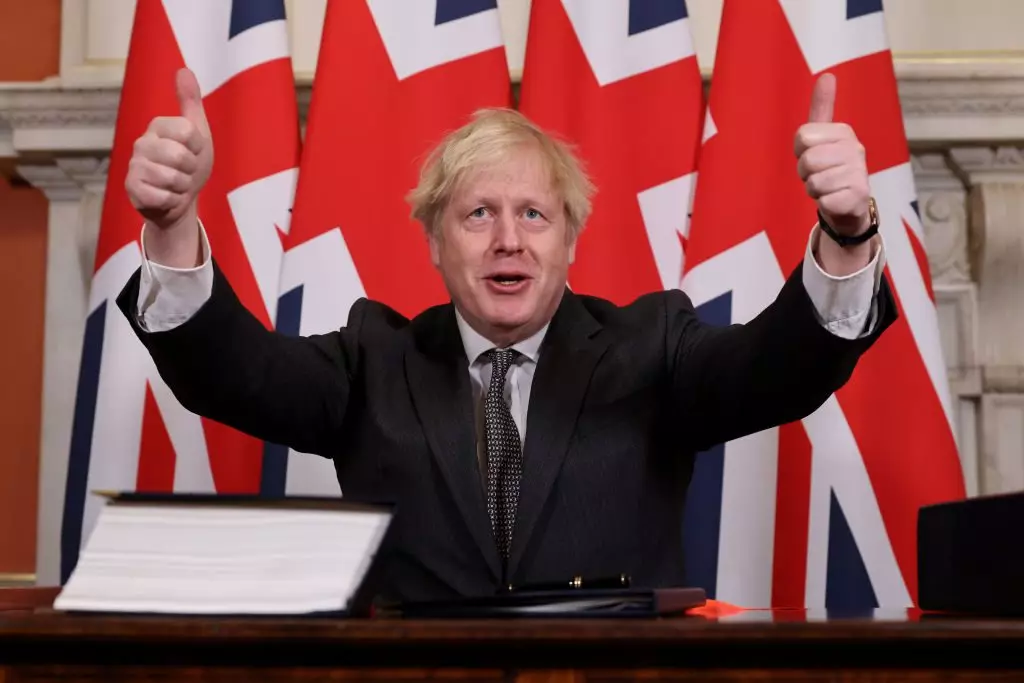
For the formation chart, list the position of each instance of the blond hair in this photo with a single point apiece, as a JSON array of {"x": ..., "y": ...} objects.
[{"x": 490, "y": 135}]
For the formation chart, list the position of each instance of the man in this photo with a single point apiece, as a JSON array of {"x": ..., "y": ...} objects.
[{"x": 527, "y": 433}]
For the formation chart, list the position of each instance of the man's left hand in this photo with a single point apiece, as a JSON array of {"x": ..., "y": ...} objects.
[{"x": 832, "y": 165}]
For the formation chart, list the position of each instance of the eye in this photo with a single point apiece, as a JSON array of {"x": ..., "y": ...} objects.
[
  {"x": 533, "y": 214},
  {"x": 479, "y": 212}
]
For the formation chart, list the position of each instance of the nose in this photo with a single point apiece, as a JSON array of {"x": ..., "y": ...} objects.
[{"x": 506, "y": 234}]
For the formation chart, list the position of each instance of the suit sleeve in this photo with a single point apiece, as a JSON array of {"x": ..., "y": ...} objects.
[
  {"x": 222, "y": 363},
  {"x": 730, "y": 381}
]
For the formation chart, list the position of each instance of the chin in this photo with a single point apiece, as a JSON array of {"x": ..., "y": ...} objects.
[{"x": 508, "y": 316}]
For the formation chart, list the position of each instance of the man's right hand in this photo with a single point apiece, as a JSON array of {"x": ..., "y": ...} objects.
[{"x": 169, "y": 166}]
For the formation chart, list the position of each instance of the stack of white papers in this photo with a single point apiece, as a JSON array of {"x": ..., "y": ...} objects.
[{"x": 211, "y": 555}]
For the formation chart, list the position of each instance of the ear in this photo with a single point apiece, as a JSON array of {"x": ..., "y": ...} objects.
[
  {"x": 572, "y": 252},
  {"x": 435, "y": 250}
]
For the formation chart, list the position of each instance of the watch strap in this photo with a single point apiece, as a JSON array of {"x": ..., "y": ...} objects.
[{"x": 851, "y": 240}]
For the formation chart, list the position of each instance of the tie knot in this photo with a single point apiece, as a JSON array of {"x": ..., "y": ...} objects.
[{"x": 501, "y": 361}]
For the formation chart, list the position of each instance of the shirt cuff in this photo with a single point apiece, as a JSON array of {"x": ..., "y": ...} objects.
[
  {"x": 846, "y": 305},
  {"x": 170, "y": 296}
]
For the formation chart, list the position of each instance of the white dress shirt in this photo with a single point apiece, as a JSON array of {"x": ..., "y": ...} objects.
[
  {"x": 517, "y": 382},
  {"x": 170, "y": 296}
]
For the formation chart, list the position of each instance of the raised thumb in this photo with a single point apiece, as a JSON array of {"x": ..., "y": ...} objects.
[
  {"x": 823, "y": 99},
  {"x": 191, "y": 100}
]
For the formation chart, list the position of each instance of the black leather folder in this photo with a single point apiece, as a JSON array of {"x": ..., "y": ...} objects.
[
  {"x": 609, "y": 603},
  {"x": 969, "y": 556}
]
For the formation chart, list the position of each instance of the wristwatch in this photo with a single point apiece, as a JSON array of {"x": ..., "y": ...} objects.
[{"x": 848, "y": 240}]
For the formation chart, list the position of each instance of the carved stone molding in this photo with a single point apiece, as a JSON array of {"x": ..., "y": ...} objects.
[
  {"x": 69, "y": 177},
  {"x": 943, "y": 201},
  {"x": 946, "y": 100},
  {"x": 996, "y": 234},
  {"x": 40, "y": 120}
]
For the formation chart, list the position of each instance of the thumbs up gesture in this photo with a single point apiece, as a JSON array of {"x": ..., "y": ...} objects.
[
  {"x": 172, "y": 161},
  {"x": 832, "y": 165}
]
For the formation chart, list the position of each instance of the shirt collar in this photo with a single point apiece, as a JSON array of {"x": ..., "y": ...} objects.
[{"x": 476, "y": 344}]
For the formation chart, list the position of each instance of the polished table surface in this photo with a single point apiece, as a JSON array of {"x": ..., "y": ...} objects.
[{"x": 42, "y": 645}]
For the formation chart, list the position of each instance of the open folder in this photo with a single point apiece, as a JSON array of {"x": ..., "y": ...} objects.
[{"x": 599, "y": 602}]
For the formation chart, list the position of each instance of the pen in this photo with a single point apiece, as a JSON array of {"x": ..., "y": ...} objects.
[{"x": 576, "y": 582}]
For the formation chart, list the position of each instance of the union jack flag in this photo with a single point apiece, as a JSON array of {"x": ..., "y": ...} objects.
[
  {"x": 620, "y": 81},
  {"x": 393, "y": 77},
  {"x": 129, "y": 432},
  {"x": 820, "y": 513}
]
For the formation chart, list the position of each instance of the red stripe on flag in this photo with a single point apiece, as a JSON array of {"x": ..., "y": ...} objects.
[
  {"x": 792, "y": 517},
  {"x": 156, "y": 453},
  {"x": 236, "y": 459},
  {"x": 632, "y": 135}
]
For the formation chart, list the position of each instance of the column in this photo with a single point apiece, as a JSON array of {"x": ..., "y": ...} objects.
[
  {"x": 943, "y": 206},
  {"x": 996, "y": 251},
  {"x": 75, "y": 187}
]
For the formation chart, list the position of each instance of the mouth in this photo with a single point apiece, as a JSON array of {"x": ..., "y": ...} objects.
[{"x": 507, "y": 282}]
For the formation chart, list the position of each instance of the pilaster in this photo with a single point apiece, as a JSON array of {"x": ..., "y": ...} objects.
[
  {"x": 75, "y": 188},
  {"x": 995, "y": 176}
]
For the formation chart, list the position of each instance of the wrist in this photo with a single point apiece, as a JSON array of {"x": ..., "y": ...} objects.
[
  {"x": 841, "y": 261},
  {"x": 175, "y": 246}
]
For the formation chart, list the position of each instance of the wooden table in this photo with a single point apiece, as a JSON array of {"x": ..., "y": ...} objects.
[{"x": 40, "y": 645}]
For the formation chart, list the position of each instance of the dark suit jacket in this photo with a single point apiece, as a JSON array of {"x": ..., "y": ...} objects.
[{"x": 622, "y": 399}]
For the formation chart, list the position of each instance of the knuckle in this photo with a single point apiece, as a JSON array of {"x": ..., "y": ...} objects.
[
  {"x": 813, "y": 185},
  {"x": 165, "y": 176},
  {"x": 178, "y": 156}
]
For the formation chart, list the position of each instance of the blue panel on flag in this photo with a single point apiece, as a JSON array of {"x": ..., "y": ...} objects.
[
  {"x": 81, "y": 442},
  {"x": 246, "y": 14},
  {"x": 847, "y": 585},
  {"x": 858, "y": 8},
  {"x": 450, "y": 10},
  {"x": 647, "y": 14},
  {"x": 702, "y": 515},
  {"x": 274, "y": 473},
  {"x": 916, "y": 206},
  {"x": 702, "y": 519}
]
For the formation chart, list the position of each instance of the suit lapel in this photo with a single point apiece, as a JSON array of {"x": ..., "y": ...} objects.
[
  {"x": 569, "y": 354},
  {"x": 438, "y": 376}
]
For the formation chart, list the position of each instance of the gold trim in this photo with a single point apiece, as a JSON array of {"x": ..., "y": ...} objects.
[{"x": 13, "y": 579}]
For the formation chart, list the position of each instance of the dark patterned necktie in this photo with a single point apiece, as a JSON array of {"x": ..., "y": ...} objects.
[{"x": 504, "y": 455}]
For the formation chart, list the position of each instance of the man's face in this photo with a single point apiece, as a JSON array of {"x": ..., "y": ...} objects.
[{"x": 503, "y": 247}]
